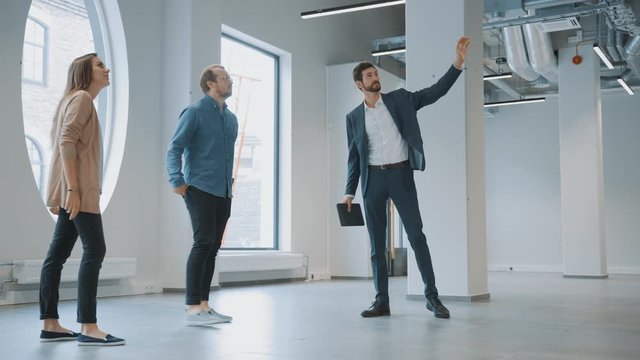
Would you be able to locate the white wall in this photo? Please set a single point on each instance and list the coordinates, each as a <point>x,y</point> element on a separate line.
<point>144,220</point>
<point>620,133</point>
<point>523,186</point>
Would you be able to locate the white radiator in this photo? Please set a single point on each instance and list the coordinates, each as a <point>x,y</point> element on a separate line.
<point>28,271</point>
<point>256,261</point>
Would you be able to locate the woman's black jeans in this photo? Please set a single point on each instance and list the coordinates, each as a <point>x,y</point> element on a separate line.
<point>209,215</point>
<point>89,227</point>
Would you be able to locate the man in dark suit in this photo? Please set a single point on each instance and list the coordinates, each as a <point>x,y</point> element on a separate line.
<point>385,147</point>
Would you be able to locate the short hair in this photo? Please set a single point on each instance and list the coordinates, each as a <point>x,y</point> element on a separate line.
<point>357,71</point>
<point>208,75</point>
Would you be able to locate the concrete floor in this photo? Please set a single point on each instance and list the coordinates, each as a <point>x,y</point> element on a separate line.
<point>530,316</point>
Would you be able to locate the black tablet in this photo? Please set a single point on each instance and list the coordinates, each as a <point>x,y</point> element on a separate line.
<point>353,218</point>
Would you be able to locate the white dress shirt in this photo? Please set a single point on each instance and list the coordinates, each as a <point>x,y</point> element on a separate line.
<point>386,146</point>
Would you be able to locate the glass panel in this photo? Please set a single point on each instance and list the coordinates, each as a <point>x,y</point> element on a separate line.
<point>27,61</point>
<point>69,36</point>
<point>39,35</point>
<point>254,102</point>
<point>37,166</point>
<point>30,31</point>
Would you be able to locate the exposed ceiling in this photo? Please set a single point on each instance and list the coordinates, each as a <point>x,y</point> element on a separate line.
<point>548,25</point>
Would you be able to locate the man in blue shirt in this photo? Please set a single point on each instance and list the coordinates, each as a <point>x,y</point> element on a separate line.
<point>205,137</point>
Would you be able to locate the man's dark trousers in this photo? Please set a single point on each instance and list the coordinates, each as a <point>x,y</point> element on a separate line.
<point>397,184</point>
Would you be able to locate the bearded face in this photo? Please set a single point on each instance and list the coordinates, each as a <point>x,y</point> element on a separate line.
<point>372,87</point>
<point>370,81</point>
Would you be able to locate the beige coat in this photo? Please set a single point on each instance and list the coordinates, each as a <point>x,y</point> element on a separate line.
<point>77,136</point>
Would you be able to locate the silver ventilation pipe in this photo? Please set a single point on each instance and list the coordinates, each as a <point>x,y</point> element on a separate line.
<point>632,48</point>
<point>540,50</point>
<point>605,42</point>
<point>539,4</point>
<point>611,45</point>
<point>620,44</point>
<point>612,81</point>
<point>517,53</point>
<point>622,16</point>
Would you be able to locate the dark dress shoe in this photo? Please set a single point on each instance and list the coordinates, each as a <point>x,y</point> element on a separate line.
<point>377,309</point>
<point>435,305</point>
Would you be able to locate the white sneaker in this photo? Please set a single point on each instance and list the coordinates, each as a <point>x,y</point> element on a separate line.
<point>201,318</point>
<point>217,315</point>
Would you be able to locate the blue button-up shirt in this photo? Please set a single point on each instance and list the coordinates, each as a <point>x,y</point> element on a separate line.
<point>206,136</point>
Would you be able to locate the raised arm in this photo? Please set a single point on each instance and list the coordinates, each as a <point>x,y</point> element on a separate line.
<point>431,94</point>
<point>461,52</point>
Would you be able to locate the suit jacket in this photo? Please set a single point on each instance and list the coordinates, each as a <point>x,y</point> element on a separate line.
<point>403,106</point>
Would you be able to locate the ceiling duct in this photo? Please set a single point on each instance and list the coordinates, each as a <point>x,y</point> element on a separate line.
<point>540,51</point>
<point>622,17</point>
<point>620,44</point>
<point>540,4</point>
<point>632,48</point>
<point>571,23</point>
<point>611,45</point>
<point>517,53</point>
<point>612,82</point>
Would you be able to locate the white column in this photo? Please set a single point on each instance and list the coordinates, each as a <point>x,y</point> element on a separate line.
<point>191,42</point>
<point>452,190</point>
<point>581,169</point>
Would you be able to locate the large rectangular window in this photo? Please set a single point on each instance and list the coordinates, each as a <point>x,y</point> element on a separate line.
<point>255,102</point>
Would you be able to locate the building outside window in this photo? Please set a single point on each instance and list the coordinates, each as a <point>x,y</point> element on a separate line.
<point>255,102</point>
<point>34,52</point>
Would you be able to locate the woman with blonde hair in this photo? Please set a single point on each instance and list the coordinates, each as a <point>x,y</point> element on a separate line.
<point>73,194</point>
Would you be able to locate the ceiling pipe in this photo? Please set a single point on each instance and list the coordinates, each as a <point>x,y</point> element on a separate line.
<point>504,86</point>
<point>632,48</point>
<point>556,14</point>
<point>517,53</point>
<point>539,4</point>
<point>611,45</point>
<point>612,81</point>
<point>622,16</point>
<point>620,44</point>
<point>540,50</point>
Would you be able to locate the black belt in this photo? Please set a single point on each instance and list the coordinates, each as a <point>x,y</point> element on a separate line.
<point>389,166</point>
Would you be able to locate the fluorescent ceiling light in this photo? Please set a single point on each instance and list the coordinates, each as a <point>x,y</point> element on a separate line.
<point>514,102</point>
<point>625,86</point>
<point>498,76</point>
<point>602,56</point>
<point>388,51</point>
<point>350,8</point>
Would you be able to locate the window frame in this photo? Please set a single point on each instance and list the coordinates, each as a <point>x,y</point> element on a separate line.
<point>45,52</point>
<point>276,141</point>
<point>41,182</point>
